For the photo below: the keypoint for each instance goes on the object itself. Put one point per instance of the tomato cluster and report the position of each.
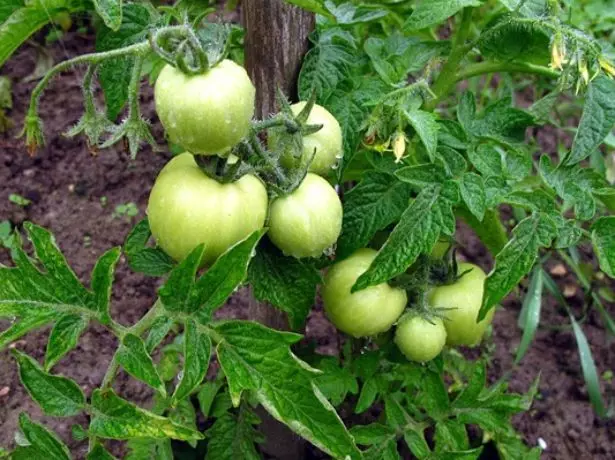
(209, 114)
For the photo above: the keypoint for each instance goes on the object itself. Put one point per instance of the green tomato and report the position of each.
(327, 141)
(187, 208)
(420, 340)
(363, 313)
(440, 248)
(209, 113)
(464, 299)
(308, 221)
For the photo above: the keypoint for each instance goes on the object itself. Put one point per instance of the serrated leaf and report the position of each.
(603, 239)
(372, 205)
(197, 351)
(135, 360)
(38, 296)
(183, 413)
(183, 294)
(369, 392)
(429, 216)
(63, 338)
(376, 433)
(159, 330)
(18, 21)
(423, 175)
(454, 162)
(98, 452)
(500, 122)
(336, 381)
(206, 396)
(257, 359)
(149, 449)
(451, 435)
(56, 395)
(528, 8)
(472, 190)
(432, 12)
(110, 11)
(286, 282)
(42, 443)
(517, 258)
(142, 258)
(487, 159)
(315, 6)
(530, 312)
(116, 418)
(597, 120)
(426, 126)
(233, 437)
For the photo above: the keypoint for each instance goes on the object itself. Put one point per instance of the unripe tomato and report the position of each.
(420, 340)
(363, 313)
(208, 113)
(187, 208)
(440, 249)
(464, 298)
(327, 141)
(308, 221)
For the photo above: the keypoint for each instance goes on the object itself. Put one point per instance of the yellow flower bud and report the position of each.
(399, 146)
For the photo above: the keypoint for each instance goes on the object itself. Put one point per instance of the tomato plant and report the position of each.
(364, 313)
(358, 189)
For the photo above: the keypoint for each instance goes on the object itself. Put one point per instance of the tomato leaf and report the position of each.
(419, 227)
(597, 120)
(372, 205)
(116, 418)
(257, 359)
(197, 351)
(110, 11)
(603, 238)
(348, 14)
(183, 294)
(315, 6)
(56, 395)
(232, 436)
(142, 258)
(64, 337)
(41, 443)
(530, 312)
(37, 297)
(159, 330)
(429, 13)
(472, 189)
(286, 282)
(135, 360)
(147, 449)
(517, 258)
(98, 452)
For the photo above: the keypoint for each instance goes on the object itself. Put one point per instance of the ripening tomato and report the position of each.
(307, 221)
(363, 313)
(462, 300)
(209, 113)
(187, 208)
(420, 340)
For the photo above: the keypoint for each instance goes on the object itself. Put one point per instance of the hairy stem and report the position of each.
(482, 68)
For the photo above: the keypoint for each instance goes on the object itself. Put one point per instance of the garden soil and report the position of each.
(74, 192)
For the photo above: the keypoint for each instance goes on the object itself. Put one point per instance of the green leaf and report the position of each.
(517, 258)
(369, 393)
(429, 216)
(56, 395)
(530, 312)
(590, 374)
(453, 161)
(64, 337)
(41, 443)
(315, 6)
(433, 12)
(110, 11)
(421, 176)
(257, 359)
(197, 351)
(98, 452)
(451, 435)
(135, 360)
(159, 330)
(114, 74)
(500, 122)
(372, 205)
(348, 14)
(336, 381)
(233, 436)
(38, 296)
(149, 449)
(143, 259)
(116, 418)
(603, 239)
(206, 396)
(182, 294)
(597, 120)
(184, 414)
(472, 190)
(528, 8)
(426, 126)
(376, 433)
(487, 159)
(19, 22)
(286, 282)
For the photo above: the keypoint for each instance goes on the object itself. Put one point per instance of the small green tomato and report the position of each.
(420, 340)
(363, 313)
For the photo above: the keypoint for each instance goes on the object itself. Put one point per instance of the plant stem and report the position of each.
(490, 231)
(482, 68)
(447, 77)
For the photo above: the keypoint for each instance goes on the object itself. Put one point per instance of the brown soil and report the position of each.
(67, 187)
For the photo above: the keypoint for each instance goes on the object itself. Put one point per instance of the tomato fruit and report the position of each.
(440, 249)
(362, 313)
(327, 141)
(187, 208)
(307, 221)
(420, 340)
(209, 113)
(464, 298)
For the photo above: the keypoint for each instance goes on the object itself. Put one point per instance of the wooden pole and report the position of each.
(276, 41)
